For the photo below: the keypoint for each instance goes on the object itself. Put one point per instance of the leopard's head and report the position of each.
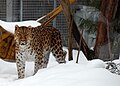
(23, 35)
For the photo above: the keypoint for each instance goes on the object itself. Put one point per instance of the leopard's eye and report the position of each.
(26, 33)
(17, 32)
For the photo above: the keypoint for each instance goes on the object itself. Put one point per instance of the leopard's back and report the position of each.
(46, 36)
(41, 39)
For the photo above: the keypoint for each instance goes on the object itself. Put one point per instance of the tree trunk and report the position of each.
(67, 12)
(108, 8)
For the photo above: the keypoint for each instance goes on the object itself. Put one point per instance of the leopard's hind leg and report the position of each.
(41, 61)
(57, 50)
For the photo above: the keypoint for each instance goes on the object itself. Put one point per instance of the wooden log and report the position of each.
(7, 45)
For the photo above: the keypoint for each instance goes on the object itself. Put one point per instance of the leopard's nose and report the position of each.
(22, 43)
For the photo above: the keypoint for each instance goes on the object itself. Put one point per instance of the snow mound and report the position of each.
(85, 73)
(69, 74)
(10, 26)
(96, 63)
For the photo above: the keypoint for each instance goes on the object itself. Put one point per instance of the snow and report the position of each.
(85, 73)
(10, 26)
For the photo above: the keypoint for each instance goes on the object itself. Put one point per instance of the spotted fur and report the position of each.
(36, 43)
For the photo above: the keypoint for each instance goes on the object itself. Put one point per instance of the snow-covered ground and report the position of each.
(85, 73)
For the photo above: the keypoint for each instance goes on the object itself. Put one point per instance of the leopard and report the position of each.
(35, 44)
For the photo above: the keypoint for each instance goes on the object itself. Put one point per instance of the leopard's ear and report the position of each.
(29, 26)
(16, 27)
